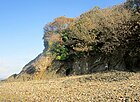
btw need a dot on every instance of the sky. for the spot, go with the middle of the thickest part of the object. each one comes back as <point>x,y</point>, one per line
<point>21,27</point>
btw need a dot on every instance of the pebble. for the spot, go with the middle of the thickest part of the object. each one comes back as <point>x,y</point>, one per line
<point>62,90</point>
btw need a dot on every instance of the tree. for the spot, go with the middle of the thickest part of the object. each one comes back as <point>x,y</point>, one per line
<point>56,26</point>
<point>133,5</point>
<point>104,28</point>
<point>52,30</point>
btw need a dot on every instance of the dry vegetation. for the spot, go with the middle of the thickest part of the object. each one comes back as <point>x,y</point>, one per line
<point>100,87</point>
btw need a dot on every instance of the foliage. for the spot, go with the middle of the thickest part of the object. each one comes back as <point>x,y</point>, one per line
<point>105,28</point>
<point>100,30</point>
<point>56,26</point>
<point>52,30</point>
<point>61,51</point>
<point>133,5</point>
<point>64,35</point>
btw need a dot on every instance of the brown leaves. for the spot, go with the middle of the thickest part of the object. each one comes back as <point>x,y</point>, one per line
<point>58,23</point>
<point>53,29</point>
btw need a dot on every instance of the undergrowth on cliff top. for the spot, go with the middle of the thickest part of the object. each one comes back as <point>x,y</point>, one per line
<point>102,30</point>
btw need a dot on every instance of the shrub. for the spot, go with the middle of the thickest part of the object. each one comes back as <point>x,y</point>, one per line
<point>105,28</point>
<point>60,51</point>
<point>99,30</point>
<point>53,30</point>
<point>133,5</point>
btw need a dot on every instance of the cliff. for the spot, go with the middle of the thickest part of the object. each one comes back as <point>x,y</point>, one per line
<point>99,40</point>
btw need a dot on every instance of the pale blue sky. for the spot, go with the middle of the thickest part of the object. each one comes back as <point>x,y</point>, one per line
<point>21,27</point>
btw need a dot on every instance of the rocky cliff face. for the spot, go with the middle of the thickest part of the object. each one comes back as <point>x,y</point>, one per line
<point>68,50</point>
<point>46,67</point>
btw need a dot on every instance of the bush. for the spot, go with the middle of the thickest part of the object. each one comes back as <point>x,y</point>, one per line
<point>98,30</point>
<point>105,28</point>
<point>60,51</point>
<point>133,5</point>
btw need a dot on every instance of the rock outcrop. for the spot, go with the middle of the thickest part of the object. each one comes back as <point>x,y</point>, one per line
<point>46,67</point>
<point>117,50</point>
